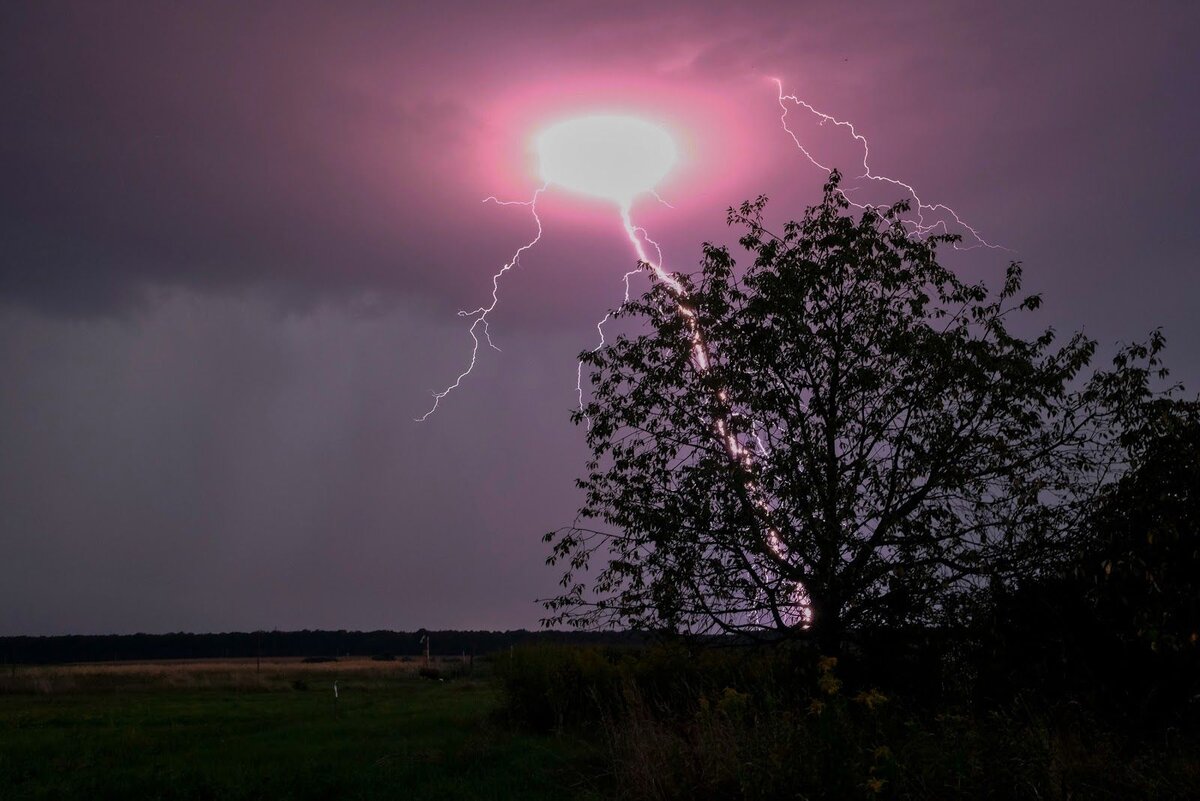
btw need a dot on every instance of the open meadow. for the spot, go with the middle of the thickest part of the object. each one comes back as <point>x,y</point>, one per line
<point>237,729</point>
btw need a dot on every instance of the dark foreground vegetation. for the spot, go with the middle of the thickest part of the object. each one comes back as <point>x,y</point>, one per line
<point>911,717</point>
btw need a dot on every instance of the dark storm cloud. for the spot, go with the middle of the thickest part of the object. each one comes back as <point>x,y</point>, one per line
<point>202,145</point>
<point>213,465</point>
<point>233,237</point>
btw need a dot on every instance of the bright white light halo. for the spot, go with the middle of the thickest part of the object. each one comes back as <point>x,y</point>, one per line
<point>614,157</point>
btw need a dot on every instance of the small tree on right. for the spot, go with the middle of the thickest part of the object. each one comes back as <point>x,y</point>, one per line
<point>1145,552</point>
<point>1119,618</point>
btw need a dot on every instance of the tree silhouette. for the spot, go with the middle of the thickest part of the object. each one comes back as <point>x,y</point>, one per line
<point>842,434</point>
<point>1146,552</point>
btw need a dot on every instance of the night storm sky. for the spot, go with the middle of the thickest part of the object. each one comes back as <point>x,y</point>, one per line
<point>234,239</point>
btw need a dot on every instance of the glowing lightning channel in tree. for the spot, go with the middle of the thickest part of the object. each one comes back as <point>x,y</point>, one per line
<point>742,458</point>
<point>919,226</point>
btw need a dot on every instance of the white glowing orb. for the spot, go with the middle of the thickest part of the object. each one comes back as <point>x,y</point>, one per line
<point>607,156</point>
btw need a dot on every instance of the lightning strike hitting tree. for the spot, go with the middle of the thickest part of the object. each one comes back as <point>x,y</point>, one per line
<point>619,159</point>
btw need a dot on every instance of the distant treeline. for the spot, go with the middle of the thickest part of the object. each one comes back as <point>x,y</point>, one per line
<point>267,644</point>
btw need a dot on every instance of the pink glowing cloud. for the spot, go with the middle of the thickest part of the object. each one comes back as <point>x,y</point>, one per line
<point>710,135</point>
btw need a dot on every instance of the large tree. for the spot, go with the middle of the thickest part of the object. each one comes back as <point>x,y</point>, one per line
<point>842,434</point>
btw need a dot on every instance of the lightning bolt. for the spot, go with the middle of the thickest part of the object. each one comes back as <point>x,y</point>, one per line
<point>479,317</point>
<point>600,329</point>
<point>919,226</point>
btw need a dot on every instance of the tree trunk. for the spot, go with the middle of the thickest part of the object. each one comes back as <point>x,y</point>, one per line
<point>827,628</point>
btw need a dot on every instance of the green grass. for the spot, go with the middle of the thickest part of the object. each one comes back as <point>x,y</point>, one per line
<point>391,736</point>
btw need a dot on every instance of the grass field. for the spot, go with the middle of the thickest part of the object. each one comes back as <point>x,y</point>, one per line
<point>226,730</point>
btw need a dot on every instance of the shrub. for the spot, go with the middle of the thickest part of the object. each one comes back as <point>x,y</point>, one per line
<point>561,687</point>
<point>549,687</point>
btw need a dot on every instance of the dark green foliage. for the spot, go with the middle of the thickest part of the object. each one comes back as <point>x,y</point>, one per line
<point>551,688</point>
<point>1047,643</point>
<point>547,688</point>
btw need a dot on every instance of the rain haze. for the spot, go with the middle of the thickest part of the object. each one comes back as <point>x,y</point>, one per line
<point>234,239</point>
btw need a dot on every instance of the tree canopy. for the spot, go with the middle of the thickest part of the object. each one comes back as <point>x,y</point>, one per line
<point>842,434</point>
